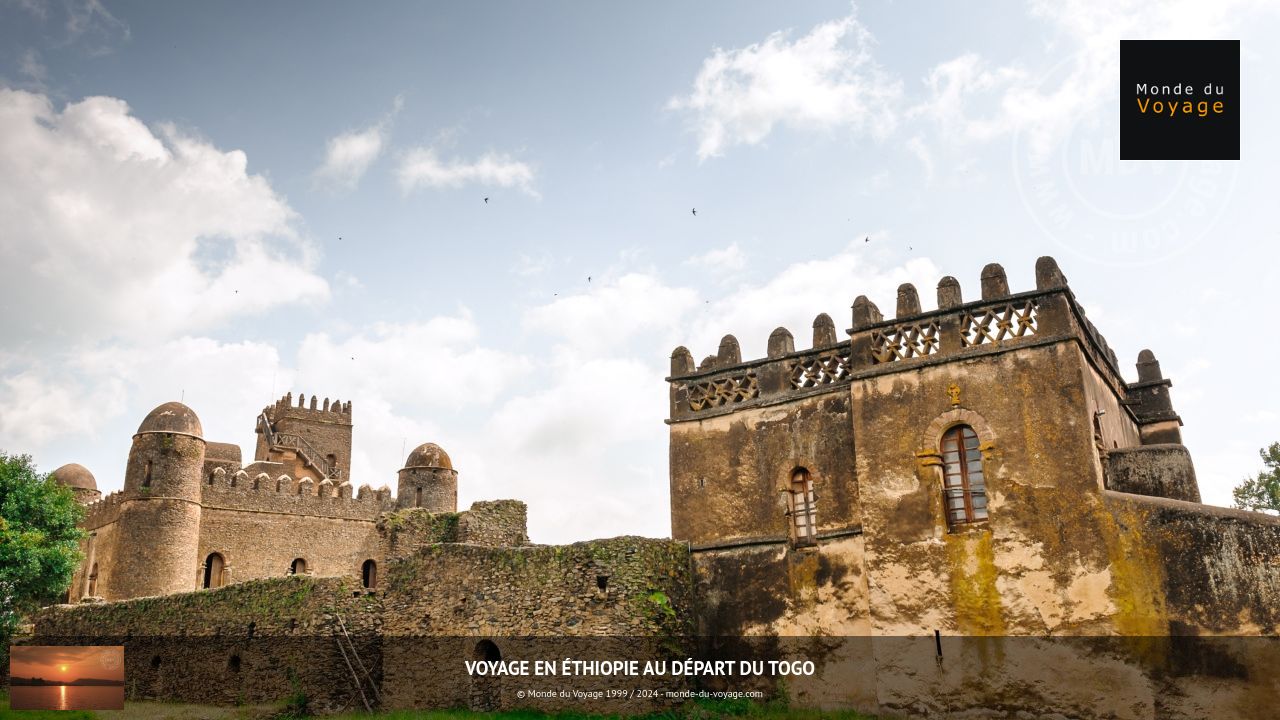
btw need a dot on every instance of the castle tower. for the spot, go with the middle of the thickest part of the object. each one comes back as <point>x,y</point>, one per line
<point>80,480</point>
<point>159,528</point>
<point>314,438</point>
<point>428,481</point>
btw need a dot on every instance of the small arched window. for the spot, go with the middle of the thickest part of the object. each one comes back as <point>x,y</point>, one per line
<point>298,567</point>
<point>369,574</point>
<point>417,497</point>
<point>213,566</point>
<point>93,581</point>
<point>964,489</point>
<point>146,476</point>
<point>802,508</point>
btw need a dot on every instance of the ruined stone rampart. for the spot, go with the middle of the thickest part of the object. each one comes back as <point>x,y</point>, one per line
<point>255,642</point>
<point>1220,567</point>
<point>632,597</point>
<point>1163,470</point>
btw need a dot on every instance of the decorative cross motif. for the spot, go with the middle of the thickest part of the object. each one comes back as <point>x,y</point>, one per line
<point>822,369</point>
<point>1001,322</point>
<point>900,342</point>
<point>723,390</point>
<point>953,392</point>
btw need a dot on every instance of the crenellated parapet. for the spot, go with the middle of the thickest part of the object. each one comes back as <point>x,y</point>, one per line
<point>103,511</point>
<point>998,321</point>
<point>282,493</point>
<point>286,407</point>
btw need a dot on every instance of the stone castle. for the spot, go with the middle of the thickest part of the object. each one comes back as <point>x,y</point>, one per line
<point>949,510</point>
<point>206,520</point>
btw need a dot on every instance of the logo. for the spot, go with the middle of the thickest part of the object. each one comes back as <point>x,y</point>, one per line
<point>1179,99</point>
<point>1100,208</point>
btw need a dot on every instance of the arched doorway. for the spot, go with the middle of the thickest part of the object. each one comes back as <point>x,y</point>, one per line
<point>213,567</point>
<point>93,580</point>
<point>369,574</point>
<point>486,690</point>
<point>298,567</point>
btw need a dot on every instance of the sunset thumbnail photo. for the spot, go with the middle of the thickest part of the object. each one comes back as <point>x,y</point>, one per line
<point>66,677</point>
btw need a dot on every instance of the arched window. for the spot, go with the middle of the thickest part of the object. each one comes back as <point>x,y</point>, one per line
<point>93,581</point>
<point>213,566</point>
<point>369,574</point>
<point>801,508</point>
<point>417,497</point>
<point>963,488</point>
<point>298,567</point>
<point>146,476</point>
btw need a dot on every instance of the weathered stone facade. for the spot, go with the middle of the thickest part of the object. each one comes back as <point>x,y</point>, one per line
<point>191,516</point>
<point>1085,520</point>
<point>958,511</point>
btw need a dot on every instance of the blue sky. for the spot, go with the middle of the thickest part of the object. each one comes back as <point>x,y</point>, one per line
<point>226,202</point>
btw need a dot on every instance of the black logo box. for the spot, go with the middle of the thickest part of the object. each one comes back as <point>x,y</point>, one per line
<point>1187,68</point>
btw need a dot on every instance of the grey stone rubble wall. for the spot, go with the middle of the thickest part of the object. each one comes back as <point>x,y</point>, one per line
<point>1157,470</point>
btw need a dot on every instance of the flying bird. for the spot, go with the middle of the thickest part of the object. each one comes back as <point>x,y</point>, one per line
<point>695,212</point>
<point>867,240</point>
<point>588,278</point>
<point>486,201</point>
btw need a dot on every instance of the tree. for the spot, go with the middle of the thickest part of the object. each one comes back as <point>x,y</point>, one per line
<point>1262,492</point>
<point>39,540</point>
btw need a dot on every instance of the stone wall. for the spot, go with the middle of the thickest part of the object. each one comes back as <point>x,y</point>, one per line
<point>1155,470</point>
<point>632,597</point>
<point>499,523</point>
<point>286,494</point>
<point>730,474</point>
<point>265,544</point>
<point>1217,569</point>
<point>256,642</point>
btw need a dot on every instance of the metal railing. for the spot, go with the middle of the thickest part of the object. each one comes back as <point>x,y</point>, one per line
<point>305,450</point>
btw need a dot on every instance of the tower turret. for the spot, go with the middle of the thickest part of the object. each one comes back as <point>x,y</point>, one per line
<point>428,480</point>
<point>80,480</point>
<point>312,438</point>
<point>159,530</point>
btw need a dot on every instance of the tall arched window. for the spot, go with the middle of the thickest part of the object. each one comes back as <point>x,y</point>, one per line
<point>146,475</point>
<point>213,566</point>
<point>963,488</point>
<point>93,581</point>
<point>369,574</point>
<point>801,508</point>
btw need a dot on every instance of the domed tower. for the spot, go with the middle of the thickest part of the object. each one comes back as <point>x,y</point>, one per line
<point>80,480</point>
<point>428,481</point>
<point>159,529</point>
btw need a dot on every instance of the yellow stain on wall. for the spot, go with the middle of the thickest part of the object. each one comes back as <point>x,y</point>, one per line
<point>971,561</point>
<point>1137,585</point>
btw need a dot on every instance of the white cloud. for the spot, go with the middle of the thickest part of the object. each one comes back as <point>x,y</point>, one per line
<point>422,168</point>
<point>433,365</point>
<point>348,156</point>
<point>825,80</point>
<point>723,262</point>
<point>110,229</point>
<point>604,319</point>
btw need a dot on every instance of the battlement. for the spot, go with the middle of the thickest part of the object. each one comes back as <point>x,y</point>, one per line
<point>997,322</point>
<point>102,511</point>
<point>284,494</point>
<point>334,410</point>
